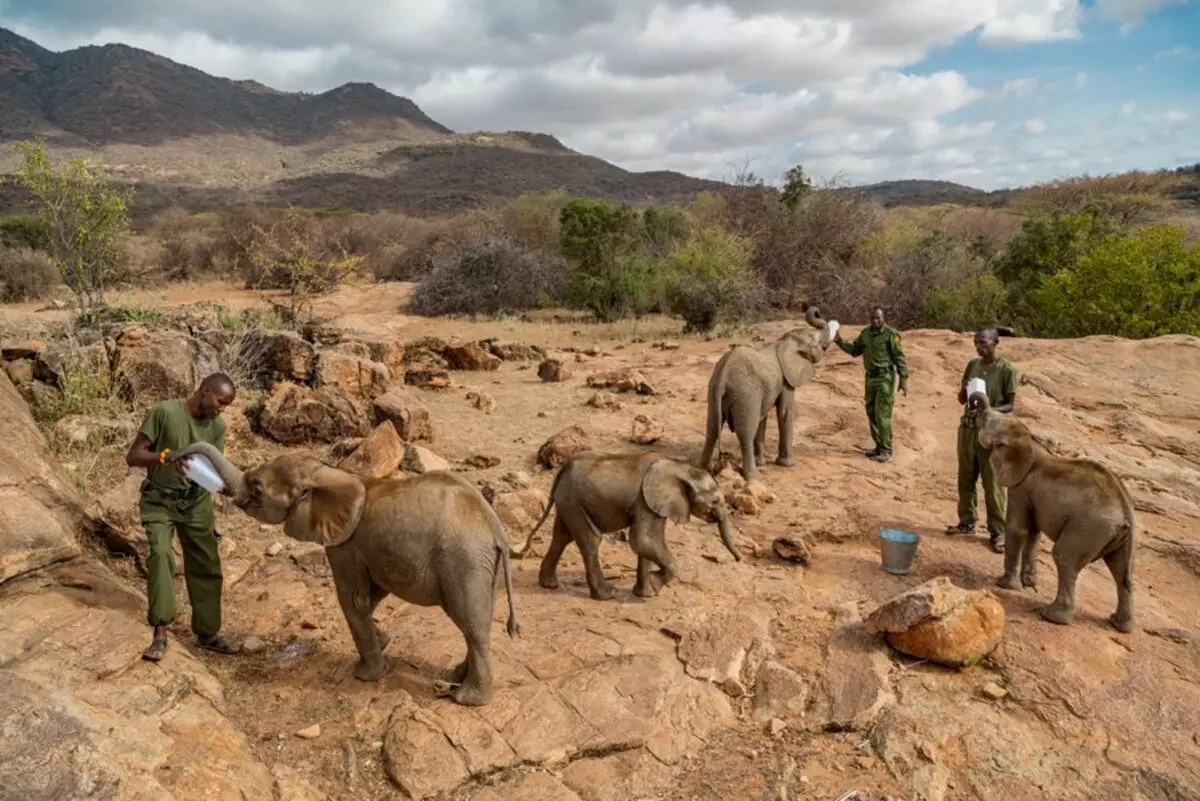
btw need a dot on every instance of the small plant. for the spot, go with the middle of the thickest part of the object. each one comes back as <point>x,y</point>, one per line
<point>709,280</point>
<point>84,217</point>
<point>25,274</point>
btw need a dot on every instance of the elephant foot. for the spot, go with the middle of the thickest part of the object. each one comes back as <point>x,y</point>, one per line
<point>549,582</point>
<point>1121,623</point>
<point>462,693</point>
<point>1008,582</point>
<point>1029,580</point>
<point>785,461</point>
<point>458,674</point>
<point>371,671</point>
<point>602,593</point>
<point>1058,614</point>
<point>645,590</point>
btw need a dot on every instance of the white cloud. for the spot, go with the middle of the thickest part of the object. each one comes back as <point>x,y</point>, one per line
<point>696,85</point>
<point>1127,108</point>
<point>1181,52</point>
<point>1081,79</point>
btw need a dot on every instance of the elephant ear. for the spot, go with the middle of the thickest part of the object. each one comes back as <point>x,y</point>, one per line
<point>328,509</point>
<point>795,367</point>
<point>666,490</point>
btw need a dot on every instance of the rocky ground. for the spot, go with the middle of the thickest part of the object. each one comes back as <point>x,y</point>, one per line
<point>757,680</point>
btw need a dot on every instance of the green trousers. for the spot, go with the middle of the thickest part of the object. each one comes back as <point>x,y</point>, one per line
<point>880,399</point>
<point>973,463</point>
<point>191,517</point>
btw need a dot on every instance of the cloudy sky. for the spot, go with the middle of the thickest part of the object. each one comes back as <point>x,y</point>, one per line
<point>987,92</point>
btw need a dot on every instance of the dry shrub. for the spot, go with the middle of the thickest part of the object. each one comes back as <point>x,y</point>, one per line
<point>495,277</point>
<point>1130,198</point>
<point>532,219</point>
<point>433,244</point>
<point>937,261</point>
<point>26,274</point>
<point>986,231</point>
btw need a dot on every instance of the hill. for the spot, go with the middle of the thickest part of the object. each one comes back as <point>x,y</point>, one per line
<point>917,192</point>
<point>187,137</point>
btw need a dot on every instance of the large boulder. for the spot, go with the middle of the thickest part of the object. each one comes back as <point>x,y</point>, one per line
<point>264,358</point>
<point>471,356</point>
<point>359,377</point>
<point>155,365</point>
<point>941,622</point>
<point>377,456</point>
<point>297,415</point>
<point>406,411</point>
<point>40,509</point>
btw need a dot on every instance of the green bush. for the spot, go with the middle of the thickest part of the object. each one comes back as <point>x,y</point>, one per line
<point>24,230</point>
<point>612,276</point>
<point>1143,284</point>
<point>963,305</point>
<point>709,279</point>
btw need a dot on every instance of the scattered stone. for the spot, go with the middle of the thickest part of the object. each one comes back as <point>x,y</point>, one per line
<point>482,401</point>
<point>481,462</point>
<point>310,733</point>
<point>407,412</point>
<point>379,454</point>
<point>792,548</point>
<point>993,691</point>
<point>253,645</point>
<point>389,353</point>
<point>422,460</point>
<point>856,685</point>
<point>776,727</point>
<point>20,371</point>
<point>666,345</point>
<point>560,447</point>
<point>82,430</point>
<point>941,622</point>
<point>518,510</point>
<point>425,377</point>
<point>518,478</point>
<point>471,356</point>
<point>645,431</point>
<point>554,370</point>
<point>358,377</point>
<point>274,549</point>
<point>605,400</point>
<point>746,503</point>
<point>621,381</point>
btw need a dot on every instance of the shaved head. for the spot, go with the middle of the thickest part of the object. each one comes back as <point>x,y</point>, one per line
<point>215,392</point>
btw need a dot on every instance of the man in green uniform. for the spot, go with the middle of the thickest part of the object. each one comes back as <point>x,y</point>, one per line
<point>883,360</point>
<point>1000,377</point>
<point>170,503</point>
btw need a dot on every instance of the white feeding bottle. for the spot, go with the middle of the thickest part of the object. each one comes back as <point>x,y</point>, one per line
<point>976,385</point>
<point>201,471</point>
<point>833,329</point>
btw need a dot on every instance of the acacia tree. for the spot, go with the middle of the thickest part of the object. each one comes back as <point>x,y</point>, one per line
<point>84,217</point>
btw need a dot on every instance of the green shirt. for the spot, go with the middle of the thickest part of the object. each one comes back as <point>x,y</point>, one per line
<point>168,424</point>
<point>1000,378</point>
<point>881,351</point>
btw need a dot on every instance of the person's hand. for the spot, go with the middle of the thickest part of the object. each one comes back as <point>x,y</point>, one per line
<point>837,336</point>
<point>179,463</point>
<point>904,391</point>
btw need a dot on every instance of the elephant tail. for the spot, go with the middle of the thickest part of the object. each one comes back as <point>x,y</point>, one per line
<point>549,505</point>
<point>500,540</point>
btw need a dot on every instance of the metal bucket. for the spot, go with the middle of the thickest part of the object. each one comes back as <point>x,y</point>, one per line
<point>897,548</point>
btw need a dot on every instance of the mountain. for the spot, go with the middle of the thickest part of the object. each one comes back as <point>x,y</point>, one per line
<point>188,138</point>
<point>916,192</point>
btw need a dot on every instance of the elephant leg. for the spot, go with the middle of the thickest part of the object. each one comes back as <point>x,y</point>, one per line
<point>1015,531</point>
<point>649,542</point>
<point>760,443</point>
<point>1068,564</point>
<point>746,427</point>
<point>785,410</point>
<point>1120,564</point>
<point>712,435</point>
<point>377,595</point>
<point>548,572</point>
<point>358,595</point>
<point>588,537</point>
<point>1029,554</point>
<point>469,604</point>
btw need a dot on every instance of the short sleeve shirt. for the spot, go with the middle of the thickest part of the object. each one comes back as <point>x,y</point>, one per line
<point>1000,378</point>
<point>168,424</point>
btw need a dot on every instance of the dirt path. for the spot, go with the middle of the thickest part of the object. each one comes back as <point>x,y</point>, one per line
<point>592,701</point>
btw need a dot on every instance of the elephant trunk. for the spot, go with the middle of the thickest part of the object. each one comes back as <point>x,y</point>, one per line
<point>229,474</point>
<point>725,528</point>
<point>978,401</point>
<point>812,315</point>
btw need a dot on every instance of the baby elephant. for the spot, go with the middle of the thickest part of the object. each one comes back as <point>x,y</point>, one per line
<point>599,493</point>
<point>1079,504</point>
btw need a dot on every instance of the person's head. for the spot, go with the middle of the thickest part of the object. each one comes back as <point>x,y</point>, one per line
<point>877,317</point>
<point>986,339</point>
<point>212,396</point>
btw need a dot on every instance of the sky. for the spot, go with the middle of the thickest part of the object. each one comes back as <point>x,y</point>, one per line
<point>990,93</point>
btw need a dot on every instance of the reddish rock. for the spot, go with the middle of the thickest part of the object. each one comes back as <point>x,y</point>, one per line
<point>554,370</point>
<point>379,455</point>
<point>407,412</point>
<point>296,415</point>
<point>560,447</point>
<point>471,356</point>
<point>269,357</point>
<point>360,378</point>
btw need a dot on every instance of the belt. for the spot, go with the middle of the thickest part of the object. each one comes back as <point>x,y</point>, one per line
<point>879,372</point>
<point>190,492</point>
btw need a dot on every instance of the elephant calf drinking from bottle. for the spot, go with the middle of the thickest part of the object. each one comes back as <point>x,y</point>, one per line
<point>430,539</point>
<point>1079,504</point>
<point>599,493</point>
